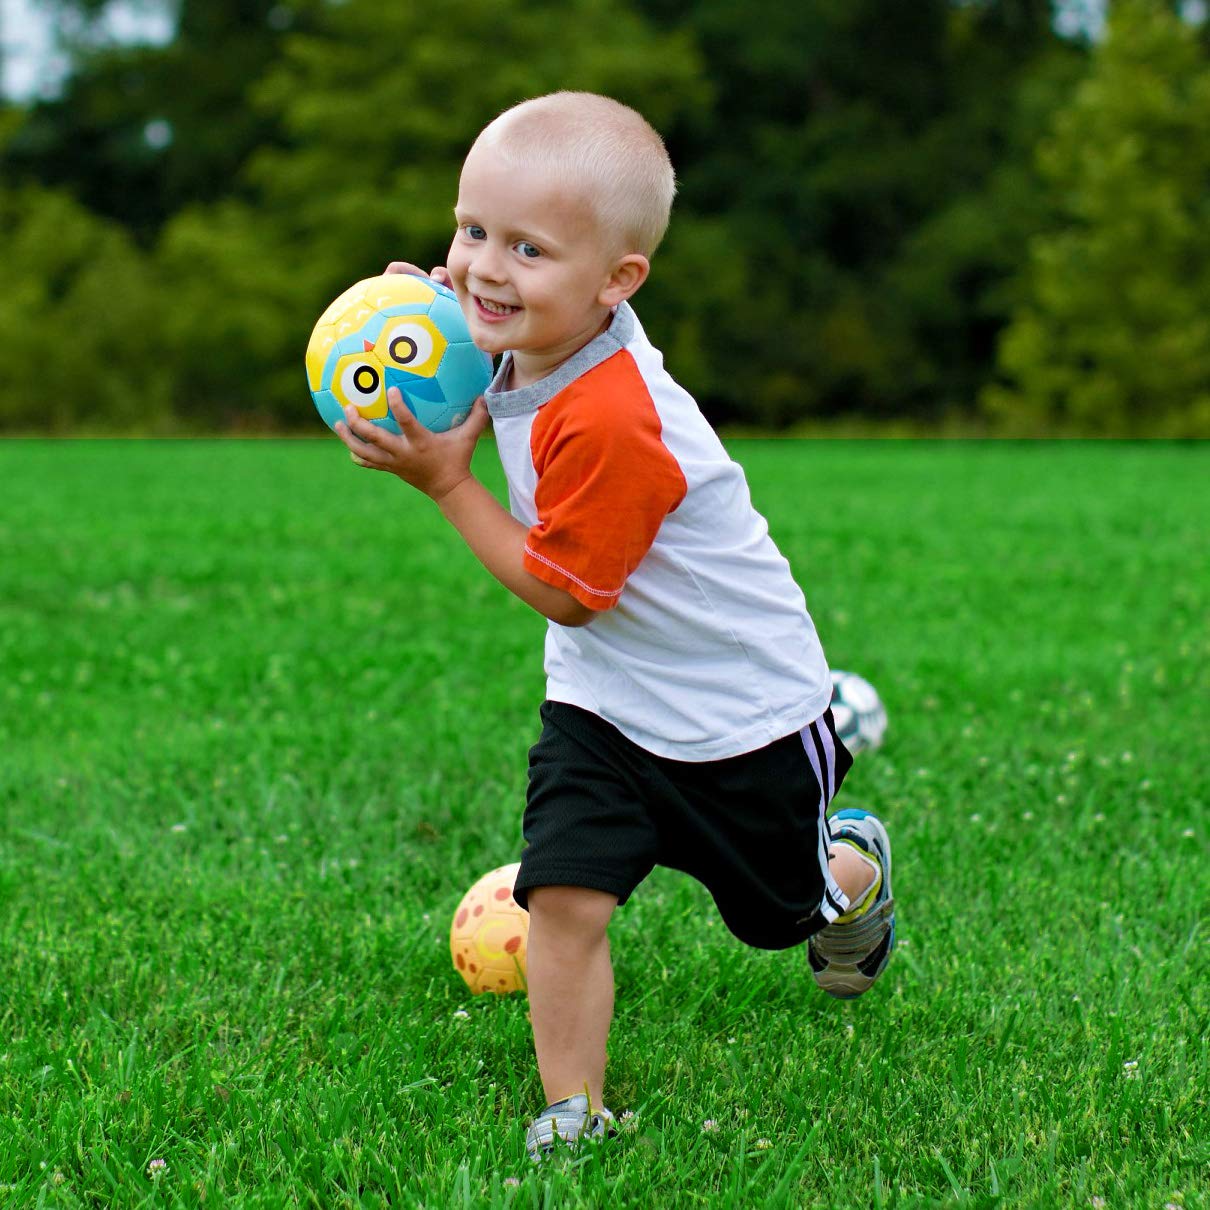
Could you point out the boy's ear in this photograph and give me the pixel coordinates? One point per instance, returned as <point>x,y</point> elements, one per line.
<point>627,275</point>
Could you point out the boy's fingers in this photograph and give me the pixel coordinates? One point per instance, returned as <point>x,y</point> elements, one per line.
<point>361,428</point>
<point>408,423</point>
<point>364,447</point>
<point>360,451</point>
<point>344,433</point>
<point>477,421</point>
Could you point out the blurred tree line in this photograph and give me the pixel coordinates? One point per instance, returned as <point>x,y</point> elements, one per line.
<point>946,212</point>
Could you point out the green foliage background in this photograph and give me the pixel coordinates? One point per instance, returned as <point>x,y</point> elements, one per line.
<point>938,215</point>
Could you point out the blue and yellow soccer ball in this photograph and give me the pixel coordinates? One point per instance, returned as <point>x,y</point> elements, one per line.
<point>399,330</point>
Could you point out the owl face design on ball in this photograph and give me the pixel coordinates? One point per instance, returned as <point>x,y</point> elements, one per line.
<point>407,347</point>
<point>398,330</point>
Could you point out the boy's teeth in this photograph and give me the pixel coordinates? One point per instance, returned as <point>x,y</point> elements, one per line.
<point>494,307</point>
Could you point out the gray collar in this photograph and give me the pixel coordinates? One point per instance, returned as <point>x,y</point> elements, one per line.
<point>617,336</point>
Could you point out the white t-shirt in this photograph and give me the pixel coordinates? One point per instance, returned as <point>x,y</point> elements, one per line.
<point>702,647</point>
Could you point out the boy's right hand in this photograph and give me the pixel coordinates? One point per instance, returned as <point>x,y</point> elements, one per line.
<point>435,463</point>
<point>439,274</point>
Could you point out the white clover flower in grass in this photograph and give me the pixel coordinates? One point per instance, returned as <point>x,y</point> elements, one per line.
<point>461,1015</point>
<point>763,1144</point>
<point>511,1182</point>
<point>157,1168</point>
<point>1097,1203</point>
<point>709,1126</point>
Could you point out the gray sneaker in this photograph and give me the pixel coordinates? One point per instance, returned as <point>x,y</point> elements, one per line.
<point>570,1120</point>
<point>846,958</point>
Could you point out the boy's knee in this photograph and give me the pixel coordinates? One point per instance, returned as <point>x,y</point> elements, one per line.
<point>571,907</point>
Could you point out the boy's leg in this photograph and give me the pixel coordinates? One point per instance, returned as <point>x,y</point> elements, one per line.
<point>847,956</point>
<point>570,981</point>
<point>855,873</point>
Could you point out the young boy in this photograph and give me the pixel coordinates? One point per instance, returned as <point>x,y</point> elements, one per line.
<point>686,721</point>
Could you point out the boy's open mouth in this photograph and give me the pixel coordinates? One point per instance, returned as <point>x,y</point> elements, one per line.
<point>495,308</point>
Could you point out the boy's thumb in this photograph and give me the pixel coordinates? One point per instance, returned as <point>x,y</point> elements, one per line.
<point>478,419</point>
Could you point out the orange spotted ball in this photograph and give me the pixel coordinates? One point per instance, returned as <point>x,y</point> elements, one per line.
<point>488,934</point>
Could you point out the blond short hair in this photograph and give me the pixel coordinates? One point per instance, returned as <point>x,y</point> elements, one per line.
<point>601,144</point>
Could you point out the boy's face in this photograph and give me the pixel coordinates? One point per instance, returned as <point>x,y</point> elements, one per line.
<point>529,263</point>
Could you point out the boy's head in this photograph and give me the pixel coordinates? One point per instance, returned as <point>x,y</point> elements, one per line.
<point>600,147</point>
<point>561,202</point>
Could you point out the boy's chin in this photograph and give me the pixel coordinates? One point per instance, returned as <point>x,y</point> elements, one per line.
<point>489,340</point>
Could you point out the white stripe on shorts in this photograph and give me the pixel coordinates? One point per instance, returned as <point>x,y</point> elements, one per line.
<point>835,901</point>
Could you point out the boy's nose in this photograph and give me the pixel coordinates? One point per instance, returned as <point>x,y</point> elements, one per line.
<point>486,264</point>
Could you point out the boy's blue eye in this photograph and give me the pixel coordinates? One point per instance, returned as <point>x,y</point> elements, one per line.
<point>528,250</point>
<point>475,232</point>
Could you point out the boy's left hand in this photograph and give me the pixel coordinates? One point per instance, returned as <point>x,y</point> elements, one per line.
<point>435,463</point>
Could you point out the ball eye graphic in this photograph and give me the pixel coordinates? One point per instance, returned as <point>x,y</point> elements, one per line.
<point>412,344</point>
<point>358,379</point>
<point>408,344</point>
<point>361,382</point>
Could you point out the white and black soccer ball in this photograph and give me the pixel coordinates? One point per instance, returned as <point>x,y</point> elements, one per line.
<point>858,711</point>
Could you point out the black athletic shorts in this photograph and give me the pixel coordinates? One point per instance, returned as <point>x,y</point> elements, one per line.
<point>601,812</point>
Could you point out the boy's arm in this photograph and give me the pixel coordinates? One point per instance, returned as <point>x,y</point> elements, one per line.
<point>438,464</point>
<point>497,540</point>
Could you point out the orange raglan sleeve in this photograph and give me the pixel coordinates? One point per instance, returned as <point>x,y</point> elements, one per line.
<point>605,483</point>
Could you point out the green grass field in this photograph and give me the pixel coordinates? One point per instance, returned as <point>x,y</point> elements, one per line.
<point>264,719</point>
